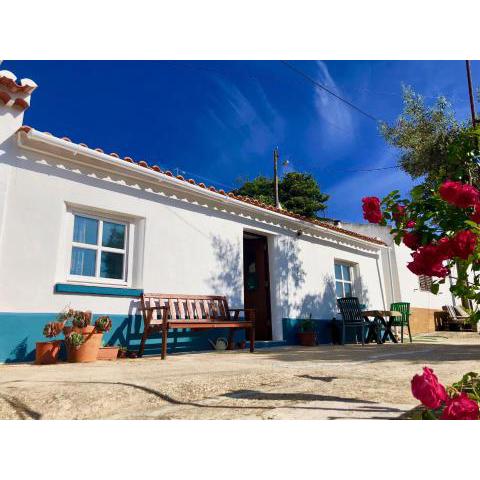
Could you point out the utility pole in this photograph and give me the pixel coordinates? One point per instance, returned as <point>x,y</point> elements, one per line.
<point>275,177</point>
<point>470,93</point>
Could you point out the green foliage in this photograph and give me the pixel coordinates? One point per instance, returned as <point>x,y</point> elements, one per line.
<point>432,142</point>
<point>103,324</point>
<point>260,188</point>
<point>307,325</point>
<point>298,193</point>
<point>75,340</point>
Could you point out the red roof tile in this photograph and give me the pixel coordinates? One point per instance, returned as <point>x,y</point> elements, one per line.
<point>241,198</point>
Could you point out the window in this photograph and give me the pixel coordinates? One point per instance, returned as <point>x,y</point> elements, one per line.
<point>425,283</point>
<point>343,280</point>
<point>98,250</point>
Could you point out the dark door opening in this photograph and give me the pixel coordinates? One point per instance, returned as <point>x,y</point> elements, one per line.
<point>256,283</point>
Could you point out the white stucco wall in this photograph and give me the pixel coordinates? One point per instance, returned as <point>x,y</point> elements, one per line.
<point>182,244</point>
<point>403,285</point>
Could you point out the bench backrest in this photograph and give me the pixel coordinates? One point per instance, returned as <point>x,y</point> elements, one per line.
<point>187,307</point>
<point>451,311</point>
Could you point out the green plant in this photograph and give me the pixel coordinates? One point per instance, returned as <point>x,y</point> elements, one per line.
<point>75,340</point>
<point>307,325</point>
<point>299,193</point>
<point>103,324</point>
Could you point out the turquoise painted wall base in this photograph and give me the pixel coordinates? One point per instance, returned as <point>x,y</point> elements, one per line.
<point>20,331</point>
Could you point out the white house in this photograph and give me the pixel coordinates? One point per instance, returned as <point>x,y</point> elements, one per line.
<point>403,286</point>
<point>92,230</point>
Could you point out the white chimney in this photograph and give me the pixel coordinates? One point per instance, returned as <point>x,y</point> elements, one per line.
<point>14,100</point>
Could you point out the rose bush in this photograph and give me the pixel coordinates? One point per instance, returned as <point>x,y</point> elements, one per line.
<point>460,401</point>
<point>441,227</point>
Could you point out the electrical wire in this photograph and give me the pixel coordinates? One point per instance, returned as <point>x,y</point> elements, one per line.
<point>319,85</point>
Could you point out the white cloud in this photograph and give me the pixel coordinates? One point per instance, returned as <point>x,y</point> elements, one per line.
<point>260,126</point>
<point>336,126</point>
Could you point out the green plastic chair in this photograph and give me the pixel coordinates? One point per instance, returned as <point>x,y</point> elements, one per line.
<point>404,320</point>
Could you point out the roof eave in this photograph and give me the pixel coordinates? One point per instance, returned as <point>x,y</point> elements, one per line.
<point>145,172</point>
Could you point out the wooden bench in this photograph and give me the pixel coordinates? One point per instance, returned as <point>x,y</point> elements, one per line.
<point>164,311</point>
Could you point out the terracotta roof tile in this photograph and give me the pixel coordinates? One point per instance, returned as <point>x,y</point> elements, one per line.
<point>241,198</point>
<point>15,87</point>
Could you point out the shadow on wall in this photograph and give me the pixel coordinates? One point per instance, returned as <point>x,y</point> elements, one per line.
<point>227,276</point>
<point>289,273</point>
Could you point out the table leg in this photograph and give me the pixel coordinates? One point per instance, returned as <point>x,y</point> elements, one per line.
<point>388,331</point>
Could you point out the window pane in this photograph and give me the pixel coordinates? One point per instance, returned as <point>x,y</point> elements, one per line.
<point>346,272</point>
<point>339,289</point>
<point>85,230</point>
<point>113,235</point>
<point>111,265</point>
<point>348,289</point>
<point>338,271</point>
<point>83,262</point>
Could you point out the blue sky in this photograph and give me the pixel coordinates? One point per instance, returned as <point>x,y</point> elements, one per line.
<point>218,121</point>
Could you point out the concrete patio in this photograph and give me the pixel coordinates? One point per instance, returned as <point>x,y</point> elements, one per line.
<point>324,382</point>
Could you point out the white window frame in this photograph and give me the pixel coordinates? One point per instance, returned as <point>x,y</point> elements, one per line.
<point>127,251</point>
<point>351,267</point>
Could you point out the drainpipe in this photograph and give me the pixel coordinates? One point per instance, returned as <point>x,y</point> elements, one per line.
<point>390,273</point>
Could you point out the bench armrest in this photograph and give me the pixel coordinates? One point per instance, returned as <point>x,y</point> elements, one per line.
<point>249,313</point>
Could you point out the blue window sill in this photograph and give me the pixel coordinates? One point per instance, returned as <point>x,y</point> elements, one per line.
<point>97,290</point>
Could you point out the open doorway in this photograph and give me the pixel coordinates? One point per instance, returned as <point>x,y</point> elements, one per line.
<point>256,283</point>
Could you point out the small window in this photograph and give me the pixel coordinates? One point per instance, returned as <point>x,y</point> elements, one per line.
<point>99,249</point>
<point>343,280</point>
<point>425,283</point>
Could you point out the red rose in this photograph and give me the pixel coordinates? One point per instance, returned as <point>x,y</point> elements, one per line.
<point>412,240</point>
<point>371,209</point>
<point>460,408</point>
<point>463,244</point>
<point>445,247</point>
<point>427,260</point>
<point>459,194</point>
<point>428,390</point>
<point>411,224</point>
<point>398,212</point>
<point>475,217</point>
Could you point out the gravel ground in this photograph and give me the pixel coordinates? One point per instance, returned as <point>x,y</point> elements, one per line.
<point>323,382</point>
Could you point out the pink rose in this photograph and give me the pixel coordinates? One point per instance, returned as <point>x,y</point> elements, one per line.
<point>428,390</point>
<point>410,224</point>
<point>460,408</point>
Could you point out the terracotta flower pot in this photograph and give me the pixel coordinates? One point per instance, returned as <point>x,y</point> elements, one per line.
<point>88,351</point>
<point>107,353</point>
<point>307,339</point>
<point>46,353</point>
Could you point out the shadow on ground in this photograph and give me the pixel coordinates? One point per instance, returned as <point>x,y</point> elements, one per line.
<point>409,353</point>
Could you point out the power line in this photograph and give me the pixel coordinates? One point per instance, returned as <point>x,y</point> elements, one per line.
<point>364,169</point>
<point>319,85</point>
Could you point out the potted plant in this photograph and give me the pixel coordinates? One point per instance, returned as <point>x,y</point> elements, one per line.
<point>47,352</point>
<point>84,349</point>
<point>122,352</point>
<point>307,336</point>
<point>104,324</point>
